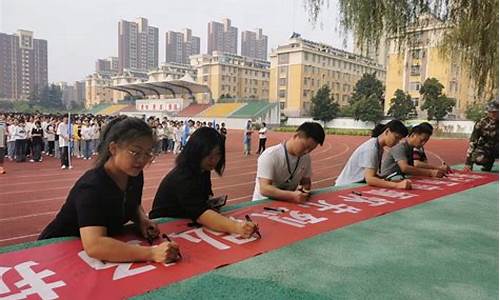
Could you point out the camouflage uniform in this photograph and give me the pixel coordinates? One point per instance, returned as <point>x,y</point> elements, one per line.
<point>483,144</point>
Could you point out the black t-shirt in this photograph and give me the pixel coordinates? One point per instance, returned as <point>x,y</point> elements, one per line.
<point>34,131</point>
<point>96,200</point>
<point>183,193</point>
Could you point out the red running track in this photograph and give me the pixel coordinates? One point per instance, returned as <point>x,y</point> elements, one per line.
<point>32,193</point>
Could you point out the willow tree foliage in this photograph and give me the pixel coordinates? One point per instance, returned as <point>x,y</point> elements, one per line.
<point>472,32</point>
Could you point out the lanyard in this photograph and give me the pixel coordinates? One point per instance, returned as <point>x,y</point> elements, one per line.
<point>379,155</point>
<point>288,164</point>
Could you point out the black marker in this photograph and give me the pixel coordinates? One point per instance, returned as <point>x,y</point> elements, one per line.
<point>165,236</point>
<point>256,230</point>
<point>274,209</point>
<point>357,193</point>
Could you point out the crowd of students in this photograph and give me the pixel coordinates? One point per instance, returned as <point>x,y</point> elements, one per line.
<point>30,137</point>
<point>109,195</point>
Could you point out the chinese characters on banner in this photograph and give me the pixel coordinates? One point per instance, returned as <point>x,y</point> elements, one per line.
<point>64,270</point>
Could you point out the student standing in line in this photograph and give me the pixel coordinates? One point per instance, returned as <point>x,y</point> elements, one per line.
<point>247,138</point>
<point>3,142</point>
<point>223,130</point>
<point>108,196</point>
<point>62,132</point>
<point>284,170</point>
<point>365,161</point>
<point>399,160</point>
<point>186,190</point>
<point>37,142</point>
<point>11,139</point>
<point>262,138</point>
<point>21,137</point>
<point>86,132</point>
<point>51,137</point>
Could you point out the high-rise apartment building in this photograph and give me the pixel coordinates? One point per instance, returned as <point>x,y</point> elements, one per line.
<point>137,45</point>
<point>254,44</point>
<point>222,37</point>
<point>23,65</point>
<point>301,67</point>
<point>233,76</point>
<point>80,91</point>
<point>180,45</point>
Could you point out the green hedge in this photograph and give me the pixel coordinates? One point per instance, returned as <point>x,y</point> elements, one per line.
<point>336,131</point>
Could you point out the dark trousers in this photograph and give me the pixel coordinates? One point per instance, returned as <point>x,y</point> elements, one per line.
<point>37,150</point>
<point>64,156</point>
<point>28,150</point>
<point>51,148</point>
<point>20,150</point>
<point>262,145</point>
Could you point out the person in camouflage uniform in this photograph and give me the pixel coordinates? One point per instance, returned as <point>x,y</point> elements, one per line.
<point>483,143</point>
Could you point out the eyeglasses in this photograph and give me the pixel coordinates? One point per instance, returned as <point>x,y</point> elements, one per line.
<point>142,156</point>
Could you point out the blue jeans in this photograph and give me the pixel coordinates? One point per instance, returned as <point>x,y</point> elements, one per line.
<point>87,148</point>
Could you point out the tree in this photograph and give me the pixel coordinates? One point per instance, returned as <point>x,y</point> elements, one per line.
<point>368,85</point>
<point>475,111</point>
<point>323,107</point>
<point>402,107</point>
<point>436,103</point>
<point>472,32</point>
<point>368,109</point>
<point>54,98</point>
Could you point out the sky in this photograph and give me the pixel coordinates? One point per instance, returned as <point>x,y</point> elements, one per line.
<point>80,32</point>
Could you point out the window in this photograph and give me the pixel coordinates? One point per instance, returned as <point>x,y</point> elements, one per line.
<point>415,70</point>
<point>415,86</point>
<point>282,93</point>
<point>283,58</point>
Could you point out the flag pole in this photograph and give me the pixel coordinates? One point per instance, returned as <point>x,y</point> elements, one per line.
<point>70,132</point>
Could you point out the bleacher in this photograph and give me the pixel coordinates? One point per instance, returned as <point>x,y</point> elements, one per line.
<point>96,109</point>
<point>112,109</point>
<point>193,110</point>
<point>220,110</point>
<point>250,110</point>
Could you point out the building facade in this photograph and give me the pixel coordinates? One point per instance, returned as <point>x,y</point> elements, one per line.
<point>80,92</point>
<point>172,71</point>
<point>108,65</point>
<point>407,69</point>
<point>222,37</point>
<point>301,67</point>
<point>180,45</point>
<point>23,65</point>
<point>96,90</point>
<point>254,44</point>
<point>232,76</point>
<point>137,45</point>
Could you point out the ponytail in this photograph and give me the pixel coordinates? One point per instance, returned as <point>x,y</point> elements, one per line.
<point>395,126</point>
<point>121,129</point>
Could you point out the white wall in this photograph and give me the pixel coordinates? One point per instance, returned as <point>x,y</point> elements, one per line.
<point>349,123</point>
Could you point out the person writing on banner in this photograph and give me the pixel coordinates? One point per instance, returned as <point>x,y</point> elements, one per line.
<point>365,161</point>
<point>400,159</point>
<point>186,191</point>
<point>284,170</point>
<point>483,143</point>
<point>109,195</point>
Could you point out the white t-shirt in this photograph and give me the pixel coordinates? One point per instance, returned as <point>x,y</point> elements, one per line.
<point>366,156</point>
<point>272,165</point>
<point>11,133</point>
<point>62,131</point>
<point>86,132</point>
<point>262,133</point>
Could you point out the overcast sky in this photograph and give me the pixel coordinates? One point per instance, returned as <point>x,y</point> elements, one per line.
<point>79,32</point>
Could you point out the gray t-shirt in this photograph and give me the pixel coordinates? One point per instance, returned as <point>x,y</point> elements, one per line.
<point>402,151</point>
<point>366,156</point>
<point>272,165</point>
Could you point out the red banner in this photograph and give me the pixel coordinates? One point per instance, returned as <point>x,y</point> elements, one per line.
<point>63,270</point>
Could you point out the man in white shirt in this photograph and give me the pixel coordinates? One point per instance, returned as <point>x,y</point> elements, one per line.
<point>62,131</point>
<point>262,138</point>
<point>284,170</point>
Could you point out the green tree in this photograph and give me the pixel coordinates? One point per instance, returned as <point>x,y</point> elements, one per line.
<point>402,107</point>
<point>53,98</point>
<point>366,86</point>
<point>323,107</point>
<point>368,109</point>
<point>472,32</point>
<point>436,103</point>
<point>475,111</point>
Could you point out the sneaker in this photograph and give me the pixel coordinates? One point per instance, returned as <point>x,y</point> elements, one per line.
<point>31,160</point>
<point>70,167</point>
<point>63,167</point>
